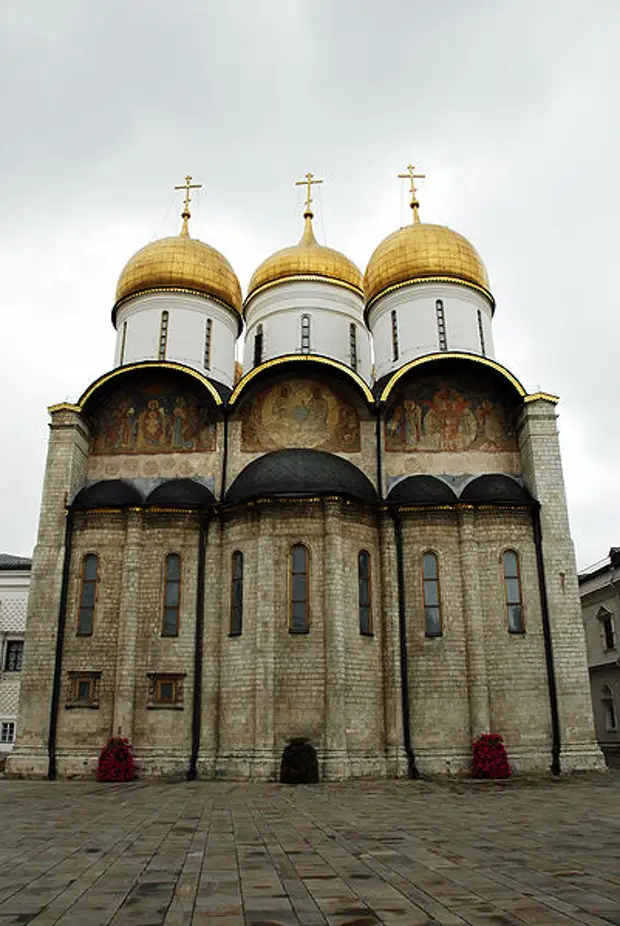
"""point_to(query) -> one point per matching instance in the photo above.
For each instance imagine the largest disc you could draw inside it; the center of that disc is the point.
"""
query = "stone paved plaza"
(82, 854)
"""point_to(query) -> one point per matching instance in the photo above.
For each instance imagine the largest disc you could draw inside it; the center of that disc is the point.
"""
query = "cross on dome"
(414, 204)
(308, 213)
(186, 214)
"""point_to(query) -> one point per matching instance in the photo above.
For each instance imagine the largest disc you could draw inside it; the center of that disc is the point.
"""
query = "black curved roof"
(301, 474)
(181, 493)
(496, 489)
(109, 493)
(422, 490)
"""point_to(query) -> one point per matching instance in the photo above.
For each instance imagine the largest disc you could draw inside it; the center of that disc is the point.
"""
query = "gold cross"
(308, 183)
(415, 205)
(186, 214)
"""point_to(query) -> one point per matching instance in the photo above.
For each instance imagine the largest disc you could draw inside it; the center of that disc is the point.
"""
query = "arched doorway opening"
(299, 763)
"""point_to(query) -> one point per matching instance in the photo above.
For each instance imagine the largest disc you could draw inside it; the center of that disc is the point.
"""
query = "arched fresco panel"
(302, 413)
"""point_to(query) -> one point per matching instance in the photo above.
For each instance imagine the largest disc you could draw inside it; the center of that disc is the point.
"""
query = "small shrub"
(116, 761)
(489, 759)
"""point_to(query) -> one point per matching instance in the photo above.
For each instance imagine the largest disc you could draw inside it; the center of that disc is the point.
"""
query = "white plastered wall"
(332, 310)
(187, 320)
(418, 334)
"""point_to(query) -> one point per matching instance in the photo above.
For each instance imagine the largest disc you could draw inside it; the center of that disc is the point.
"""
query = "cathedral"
(352, 546)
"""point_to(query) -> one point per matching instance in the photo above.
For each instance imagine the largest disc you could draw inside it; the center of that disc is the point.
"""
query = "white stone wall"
(332, 309)
(14, 586)
(187, 320)
(418, 334)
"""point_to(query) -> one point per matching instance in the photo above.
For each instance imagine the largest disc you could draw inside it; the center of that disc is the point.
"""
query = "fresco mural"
(439, 415)
(299, 413)
(152, 419)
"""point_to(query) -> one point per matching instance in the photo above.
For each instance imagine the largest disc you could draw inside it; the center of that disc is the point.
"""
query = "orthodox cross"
(308, 183)
(415, 205)
(185, 215)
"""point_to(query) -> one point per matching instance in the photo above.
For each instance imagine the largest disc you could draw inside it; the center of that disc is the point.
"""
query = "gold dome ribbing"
(180, 263)
(306, 259)
(420, 251)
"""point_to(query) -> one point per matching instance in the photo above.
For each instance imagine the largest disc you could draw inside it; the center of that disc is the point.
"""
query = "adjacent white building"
(14, 585)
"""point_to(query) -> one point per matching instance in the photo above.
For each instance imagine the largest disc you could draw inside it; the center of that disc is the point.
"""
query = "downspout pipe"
(379, 456)
(556, 743)
(60, 639)
(224, 458)
(412, 769)
(192, 772)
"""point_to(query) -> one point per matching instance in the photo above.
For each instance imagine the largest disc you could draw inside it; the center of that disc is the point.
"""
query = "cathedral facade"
(358, 546)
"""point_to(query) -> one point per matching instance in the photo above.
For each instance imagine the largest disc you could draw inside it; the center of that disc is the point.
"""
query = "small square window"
(7, 732)
(166, 690)
(14, 655)
(83, 689)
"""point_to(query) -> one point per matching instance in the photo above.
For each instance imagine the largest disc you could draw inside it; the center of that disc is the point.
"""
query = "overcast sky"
(509, 106)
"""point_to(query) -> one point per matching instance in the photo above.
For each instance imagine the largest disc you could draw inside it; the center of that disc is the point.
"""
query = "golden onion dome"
(180, 263)
(306, 260)
(420, 252)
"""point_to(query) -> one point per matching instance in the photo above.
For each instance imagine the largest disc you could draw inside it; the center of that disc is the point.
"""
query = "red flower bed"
(116, 761)
(489, 759)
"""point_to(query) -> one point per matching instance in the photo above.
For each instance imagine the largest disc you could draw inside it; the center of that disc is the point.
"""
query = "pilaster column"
(129, 612)
(336, 759)
(264, 765)
(216, 623)
(392, 700)
(478, 683)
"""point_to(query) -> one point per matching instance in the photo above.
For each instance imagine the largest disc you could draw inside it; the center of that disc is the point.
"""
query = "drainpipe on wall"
(379, 459)
(60, 637)
(544, 607)
(224, 458)
(192, 772)
(402, 627)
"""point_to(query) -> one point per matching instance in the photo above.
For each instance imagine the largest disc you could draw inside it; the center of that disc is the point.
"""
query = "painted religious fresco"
(439, 415)
(299, 413)
(152, 419)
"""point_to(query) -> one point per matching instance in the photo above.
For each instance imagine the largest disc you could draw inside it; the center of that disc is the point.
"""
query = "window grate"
(305, 334)
(163, 335)
(7, 731)
(394, 335)
(258, 346)
(441, 325)
(353, 345)
(208, 330)
(481, 334)
(14, 656)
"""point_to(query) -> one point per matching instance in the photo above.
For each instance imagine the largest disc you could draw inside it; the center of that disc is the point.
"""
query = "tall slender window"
(299, 606)
(514, 598)
(172, 595)
(441, 325)
(236, 594)
(394, 335)
(607, 627)
(481, 334)
(123, 342)
(163, 335)
(363, 581)
(88, 594)
(258, 346)
(305, 334)
(609, 709)
(353, 345)
(432, 597)
(208, 332)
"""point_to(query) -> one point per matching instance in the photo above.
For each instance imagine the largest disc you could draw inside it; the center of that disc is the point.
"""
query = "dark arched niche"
(181, 493)
(301, 474)
(109, 493)
(496, 489)
(422, 490)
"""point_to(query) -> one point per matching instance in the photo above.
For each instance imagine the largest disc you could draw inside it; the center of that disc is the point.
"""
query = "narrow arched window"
(258, 346)
(208, 333)
(364, 592)
(609, 709)
(394, 335)
(481, 334)
(514, 598)
(299, 604)
(353, 345)
(305, 334)
(432, 596)
(236, 594)
(163, 335)
(607, 626)
(123, 343)
(172, 595)
(88, 595)
(441, 325)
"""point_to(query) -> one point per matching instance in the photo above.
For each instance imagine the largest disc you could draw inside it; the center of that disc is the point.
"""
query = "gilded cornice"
(451, 355)
(303, 358)
(145, 365)
(543, 397)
